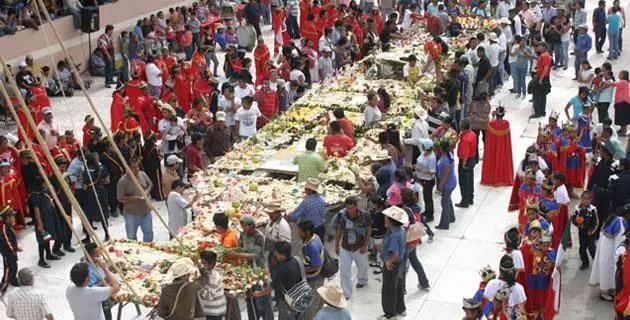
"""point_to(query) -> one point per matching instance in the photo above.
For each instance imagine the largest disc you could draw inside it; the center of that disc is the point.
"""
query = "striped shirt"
(293, 6)
(25, 303)
(211, 295)
(435, 121)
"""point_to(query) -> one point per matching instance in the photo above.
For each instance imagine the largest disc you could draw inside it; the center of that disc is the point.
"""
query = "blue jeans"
(565, 53)
(498, 75)
(580, 57)
(620, 40)
(613, 43)
(557, 53)
(345, 269)
(520, 73)
(417, 267)
(155, 91)
(448, 212)
(109, 70)
(196, 41)
(266, 13)
(135, 220)
(292, 26)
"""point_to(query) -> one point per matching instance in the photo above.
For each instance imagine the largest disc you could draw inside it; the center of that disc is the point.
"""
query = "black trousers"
(9, 274)
(600, 38)
(467, 180)
(587, 242)
(602, 110)
(321, 232)
(67, 232)
(392, 291)
(540, 103)
(601, 201)
(427, 196)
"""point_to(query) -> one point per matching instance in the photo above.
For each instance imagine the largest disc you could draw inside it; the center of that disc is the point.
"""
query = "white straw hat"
(333, 295)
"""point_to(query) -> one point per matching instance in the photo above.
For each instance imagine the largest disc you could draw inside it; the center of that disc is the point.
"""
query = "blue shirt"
(313, 252)
(578, 105)
(444, 162)
(395, 242)
(599, 16)
(96, 275)
(432, 9)
(549, 13)
(332, 313)
(138, 31)
(584, 43)
(75, 172)
(312, 208)
(614, 23)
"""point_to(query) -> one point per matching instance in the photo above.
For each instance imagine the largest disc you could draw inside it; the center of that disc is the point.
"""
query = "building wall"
(43, 44)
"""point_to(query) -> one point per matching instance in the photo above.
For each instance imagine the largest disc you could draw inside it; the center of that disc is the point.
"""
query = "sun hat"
(220, 116)
(397, 214)
(492, 36)
(271, 207)
(333, 296)
(181, 268)
(312, 184)
(166, 107)
(173, 159)
(380, 155)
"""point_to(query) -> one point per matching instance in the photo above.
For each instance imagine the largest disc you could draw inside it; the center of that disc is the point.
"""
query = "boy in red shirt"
(336, 142)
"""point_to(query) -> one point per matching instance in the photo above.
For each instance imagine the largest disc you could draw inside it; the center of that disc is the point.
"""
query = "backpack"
(300, 296)
(330, 267)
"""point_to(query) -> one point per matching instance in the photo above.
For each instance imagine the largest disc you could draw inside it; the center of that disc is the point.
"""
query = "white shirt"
(540, 177)
(49, 128)
(25, 303)
(502, 43)
(296, 75)
(247, 120)
(507, 31)
(493, 54)
(279, 231)
(517, 294)
(562, 195)
(372, 114)
(419, 132)
(154, 75)
(177, 214)
(224, 104)
(325, 64)
(517, 25)
(406, 23)
(503, 9)
(517, 257)
(240, 93)
(86, 303)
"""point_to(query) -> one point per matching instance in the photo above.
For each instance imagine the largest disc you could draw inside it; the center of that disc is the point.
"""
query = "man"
(34, 68)
(313, 253)
(105, 45)
(8, 249)
(493, 52)
(227, 235)
(393, 254)
(620, 186)
(484, 73)
(192, 155)
(312, 208)
(309, 163)
(346, 124)
(326, 41)
(354, 229)
(26, 303)
(49, 127)
(599, 25)
(278, 230)
(583, 45)
(466, 152)
(252, 13)
(336, 142)
(325, 64)
(542, 86)
(154, 77)
(115, 169)
(218, 139)
(253, 242)
(292, 6)
(135, 209)
(170, 174)
(267, 100)
(24, 78)
(580, 17)
(178, 206)
(97, 274)
(85, 301)
(243, 89)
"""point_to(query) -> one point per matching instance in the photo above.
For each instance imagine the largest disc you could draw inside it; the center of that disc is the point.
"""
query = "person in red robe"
(35, 114)
(378, 19)
(550, 207)
(116, 109)
(198, 63)
(39, 153)
(203, 87)
(169, 60)
(89, 123)
(161, 64)
(267, 100)
(142, 107)
(68, 142)
(40, 96)
(304, 11)
(8, 152)
(281, 34)
(132, 87)
(10, 194)
(575, 159)
(262, 59)
(539, 265)
(309, 31)
(131, 124)
(529, 189)
(497, 151)
(622, 297)
(182, 90)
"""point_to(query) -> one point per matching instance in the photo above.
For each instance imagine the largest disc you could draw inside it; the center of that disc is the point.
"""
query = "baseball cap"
(220, 116)
(173, 159)
(46, 110)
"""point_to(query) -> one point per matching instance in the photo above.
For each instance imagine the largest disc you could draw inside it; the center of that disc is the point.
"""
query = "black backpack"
(330, 266)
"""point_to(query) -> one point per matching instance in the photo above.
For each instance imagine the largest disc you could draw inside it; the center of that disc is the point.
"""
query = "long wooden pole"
(134, 179)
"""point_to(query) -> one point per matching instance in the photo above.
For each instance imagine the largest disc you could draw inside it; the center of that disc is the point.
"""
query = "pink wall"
(122, 14)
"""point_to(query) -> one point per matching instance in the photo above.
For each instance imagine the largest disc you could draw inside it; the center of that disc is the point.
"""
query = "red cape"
(183, 91)
(261, 62)
(40, 98)
(268, 105)
(497, 153)
(132, 89)
(116, 110)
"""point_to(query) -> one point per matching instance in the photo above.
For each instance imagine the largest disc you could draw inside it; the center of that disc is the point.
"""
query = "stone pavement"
(451, 261)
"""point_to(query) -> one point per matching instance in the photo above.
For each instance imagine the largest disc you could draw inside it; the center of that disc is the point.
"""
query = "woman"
(414, 211)
(622, 102)
(394, 192)
(445, 132)
(372, 113)
(426, 168)
(446, 184)
(605, 95)
(394, 139)
(586, 74)
(384, 100)
(311, 59)
(151, 165)
(298, 76)
(578, 103)
(208, 45)
(95, 177)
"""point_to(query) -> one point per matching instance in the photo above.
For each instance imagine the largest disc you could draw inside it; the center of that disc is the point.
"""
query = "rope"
(53, 64)
(56, 172)
(134, 179)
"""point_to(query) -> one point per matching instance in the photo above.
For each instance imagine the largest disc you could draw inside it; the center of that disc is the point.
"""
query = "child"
(584, 128)
(230, 37)
(211, 295)
(187, 42)
(246, 117)
(414, 213)
(174, 136)
(220, 37)
(245, 73)
(411, 71)
(378, 227)
(9, 249)
(587, 221)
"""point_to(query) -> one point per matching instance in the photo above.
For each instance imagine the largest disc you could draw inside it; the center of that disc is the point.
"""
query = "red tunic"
(202, 88)
(10, 194)
(141, 107)
(86, 134)
(40, 97)
(261, 62)
(304, 10)
(498, 151)
(267, 104)
(30, 134)
(116, 110)
(132, 89)
(72, 146)
(563, 144)
(198, 63)
(160, 63)
(183, 92)
(281, 34)
(575, 165)
(308, 31)
(130, 125)
(513, 205)
(378, 19)
(58, 151)
(39, 153)
(525, 192)
(331, 15)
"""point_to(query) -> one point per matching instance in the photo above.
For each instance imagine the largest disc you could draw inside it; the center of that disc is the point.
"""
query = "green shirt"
(309, 165)
(254, 244)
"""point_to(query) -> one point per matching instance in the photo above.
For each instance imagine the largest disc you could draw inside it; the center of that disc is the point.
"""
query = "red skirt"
(514, 197)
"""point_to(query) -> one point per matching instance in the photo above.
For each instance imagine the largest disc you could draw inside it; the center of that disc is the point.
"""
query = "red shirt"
(543, 61)
(193, 158)
(337, 144)
(467, 146)
(347, 127)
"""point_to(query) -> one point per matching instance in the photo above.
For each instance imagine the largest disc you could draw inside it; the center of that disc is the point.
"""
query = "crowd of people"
(169, 90)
